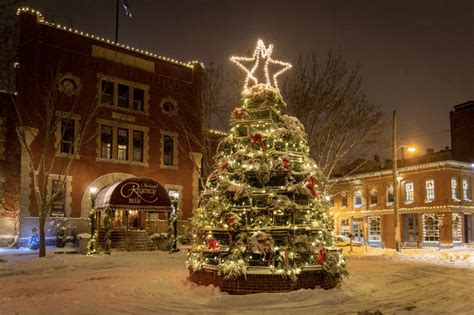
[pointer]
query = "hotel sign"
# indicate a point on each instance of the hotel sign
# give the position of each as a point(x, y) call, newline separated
point(140, 191)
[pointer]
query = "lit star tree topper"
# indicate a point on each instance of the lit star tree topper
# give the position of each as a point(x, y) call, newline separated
point(262, 57)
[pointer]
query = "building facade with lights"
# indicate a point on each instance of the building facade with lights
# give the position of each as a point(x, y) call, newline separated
point(435, 203)
point(147, 106)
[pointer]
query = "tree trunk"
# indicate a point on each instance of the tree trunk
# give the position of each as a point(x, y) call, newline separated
point(42, 244)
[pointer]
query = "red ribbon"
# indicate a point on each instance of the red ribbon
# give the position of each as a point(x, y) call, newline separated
point(321, 256)
point(223, 166)
point(238, 112)
point(258, 138)
point(311, 185)
point(286, 164)
point(212, 243)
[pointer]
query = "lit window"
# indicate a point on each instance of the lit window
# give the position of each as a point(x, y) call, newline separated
point(457, 228)
point(123, 95)
point(122, 144)
point(138, 146)
point(59, 203)
point(106, 136)
point(431, 223)
point(429, 190)
point(465, 189)
point(373, 197)
point(344, 199)
point(344, 227)
point(409, 192)
point(168, 150)
point(67, 135)
point(358, 199)
point(375, 228)
point(454, 188)
point(390, 194)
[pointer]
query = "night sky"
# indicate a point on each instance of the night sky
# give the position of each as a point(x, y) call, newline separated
point(416, 57)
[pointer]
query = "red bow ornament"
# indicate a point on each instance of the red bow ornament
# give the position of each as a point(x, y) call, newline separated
point(286, 163)
point(238, 112)
point(311, 185)
point(212, 243)
point(258, 139)
point(321, 256)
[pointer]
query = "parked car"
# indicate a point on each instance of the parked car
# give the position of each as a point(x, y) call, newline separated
point(343, 241)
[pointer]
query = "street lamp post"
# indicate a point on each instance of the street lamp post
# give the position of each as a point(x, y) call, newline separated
point(395, 183)
point(395, 180)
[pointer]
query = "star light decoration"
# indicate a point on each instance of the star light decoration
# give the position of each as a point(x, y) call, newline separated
point(261, 55)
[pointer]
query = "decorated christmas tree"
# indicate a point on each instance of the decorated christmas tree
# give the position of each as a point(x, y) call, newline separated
point(263, 217)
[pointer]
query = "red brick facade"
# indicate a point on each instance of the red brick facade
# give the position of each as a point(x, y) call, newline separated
point(148, 96)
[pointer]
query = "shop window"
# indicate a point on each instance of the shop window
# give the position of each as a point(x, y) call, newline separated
point(454, 188)
point(344, 227)
point(431, 223)
point(106, 136)
point(390, 194)
point(67, 135)
point(466, 194)
point(58, 208)
point(429, 190)
point(373, 197)
point(375, 228)
point(409, 192)
point(457, 228)
point(358, 200)
point(344, 199)
point(122, 144)
point(138, 146)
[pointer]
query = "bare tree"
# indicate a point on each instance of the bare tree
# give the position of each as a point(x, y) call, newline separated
point(326, 95)
point(52, 137)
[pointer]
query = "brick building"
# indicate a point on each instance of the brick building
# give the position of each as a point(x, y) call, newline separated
point(142, 107)
point(462, 131)
point(435, 203)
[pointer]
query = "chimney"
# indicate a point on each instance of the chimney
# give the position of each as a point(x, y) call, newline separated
point(377, 158)
point(429, 151)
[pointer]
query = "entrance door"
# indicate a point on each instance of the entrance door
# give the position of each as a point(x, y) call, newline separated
point(358, 231)
point(410, 228)
point(468, 231)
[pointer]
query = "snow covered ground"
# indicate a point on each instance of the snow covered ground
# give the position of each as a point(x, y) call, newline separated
point(418, 281)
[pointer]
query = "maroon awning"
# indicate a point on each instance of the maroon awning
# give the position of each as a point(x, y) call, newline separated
point(136, 193)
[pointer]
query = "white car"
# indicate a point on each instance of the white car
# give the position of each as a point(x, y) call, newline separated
point(343, 241)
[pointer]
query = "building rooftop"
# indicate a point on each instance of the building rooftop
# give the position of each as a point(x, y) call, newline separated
point(40, 17)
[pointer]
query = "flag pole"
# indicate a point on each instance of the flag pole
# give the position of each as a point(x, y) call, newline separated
point(116, 20)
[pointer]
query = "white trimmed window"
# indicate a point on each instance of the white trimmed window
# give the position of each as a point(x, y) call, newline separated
point(123, 94)
point(344, 227)
point(358, 200)
point(169, 149)
point(457, 228)
point(125, 143)
point(67, 133)
point(374, 200)
point(431, 224)
point(61, 186)
point(343, 199)
point(409, 192)
point(389, 194)
point(454, 188)
point(375, 228)
point(466, 195)
point(429, 190)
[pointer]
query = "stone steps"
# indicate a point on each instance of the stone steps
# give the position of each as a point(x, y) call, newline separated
point(127, 240)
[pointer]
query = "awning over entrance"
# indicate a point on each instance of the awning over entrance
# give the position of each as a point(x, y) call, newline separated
point(136, 193)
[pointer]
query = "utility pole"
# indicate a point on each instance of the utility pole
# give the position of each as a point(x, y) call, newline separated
point(395, 183)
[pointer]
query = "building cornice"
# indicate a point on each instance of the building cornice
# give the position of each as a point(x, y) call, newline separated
point(40, 17)
point(406, 169)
